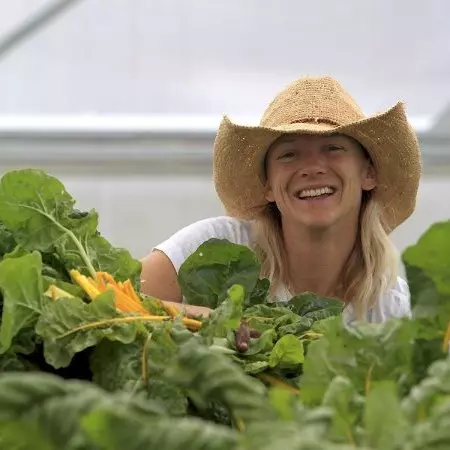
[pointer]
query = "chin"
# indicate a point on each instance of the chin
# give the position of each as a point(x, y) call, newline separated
point(316, 222)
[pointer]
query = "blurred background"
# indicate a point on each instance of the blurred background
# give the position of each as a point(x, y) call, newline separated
point(121, 99)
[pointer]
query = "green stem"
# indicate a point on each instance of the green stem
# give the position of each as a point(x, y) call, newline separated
point(82, 252)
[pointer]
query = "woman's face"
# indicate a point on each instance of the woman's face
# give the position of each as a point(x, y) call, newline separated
point(317, 181)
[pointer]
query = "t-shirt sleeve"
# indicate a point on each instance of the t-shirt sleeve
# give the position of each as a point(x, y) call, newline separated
point(400, 299)
point(186, 241)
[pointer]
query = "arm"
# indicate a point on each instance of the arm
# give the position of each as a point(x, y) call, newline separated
point(159, 279)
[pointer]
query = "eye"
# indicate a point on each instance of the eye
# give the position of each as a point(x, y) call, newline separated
point(334, 147)
point(286, 154)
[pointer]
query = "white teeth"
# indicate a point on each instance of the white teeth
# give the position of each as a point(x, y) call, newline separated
point(315, 192)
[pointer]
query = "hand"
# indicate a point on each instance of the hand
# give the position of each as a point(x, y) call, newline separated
point(189, 310)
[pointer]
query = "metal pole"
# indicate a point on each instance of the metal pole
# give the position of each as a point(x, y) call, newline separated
point(33, 24)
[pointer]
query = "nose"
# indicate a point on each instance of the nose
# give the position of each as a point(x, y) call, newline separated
point(312, 163)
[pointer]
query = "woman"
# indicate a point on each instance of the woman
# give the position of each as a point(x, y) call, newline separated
point(314, 191)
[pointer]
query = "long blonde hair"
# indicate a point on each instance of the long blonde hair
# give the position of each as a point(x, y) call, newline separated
point(368, 273)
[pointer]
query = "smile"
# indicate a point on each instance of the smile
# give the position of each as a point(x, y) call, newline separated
point(313, 193)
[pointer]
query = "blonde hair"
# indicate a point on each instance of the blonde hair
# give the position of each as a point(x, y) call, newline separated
point(368, 273)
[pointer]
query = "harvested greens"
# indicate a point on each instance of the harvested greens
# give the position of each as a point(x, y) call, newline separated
point(87, 362)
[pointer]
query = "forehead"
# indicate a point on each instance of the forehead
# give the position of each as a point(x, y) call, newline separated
point(311, 138)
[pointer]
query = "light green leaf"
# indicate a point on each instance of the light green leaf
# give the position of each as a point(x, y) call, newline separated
point(70, 325)
point(287, 352)
point(385, 423)
point(113, 430)
point(226, 317)
point(21, 287)
point(431, 254)
point(347, 405)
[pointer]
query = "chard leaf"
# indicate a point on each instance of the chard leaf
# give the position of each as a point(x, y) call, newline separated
point(7, 242)
point(385, 423)
point(207, 375)
point(34, 206)
point(262, 344)
point(315, 307)
point(361, 352)
point(114, 430)
point(16, 435)
point(226, 317)
point(40, 214)
point(287, 353)
point(347, 405)
point(57, 406)
point(213, 268)
point(21, 287)
point(259, 293)
point(117, 366)
point(285, 434)
point(423, 397)
point(70, 325)
point(103, 256)
point(431, 254)
point(10, 362)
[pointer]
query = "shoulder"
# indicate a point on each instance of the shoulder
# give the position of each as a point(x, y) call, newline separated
point(223, 227)
point(396, 303)
point(186, 240)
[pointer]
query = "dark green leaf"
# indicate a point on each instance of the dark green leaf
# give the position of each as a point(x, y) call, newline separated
point(315, 307)
point(213, 268)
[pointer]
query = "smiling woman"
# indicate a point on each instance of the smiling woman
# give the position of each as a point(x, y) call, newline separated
point(315, 191)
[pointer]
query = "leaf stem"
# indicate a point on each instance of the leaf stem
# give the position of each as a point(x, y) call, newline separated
point(369, 378)
point(190, 323)
point(72, 236)
point(275, 381)
point(144, 363)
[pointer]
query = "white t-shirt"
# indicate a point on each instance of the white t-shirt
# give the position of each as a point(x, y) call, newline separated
point(393, 304)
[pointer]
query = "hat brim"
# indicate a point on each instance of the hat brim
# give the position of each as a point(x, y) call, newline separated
point(388, 138)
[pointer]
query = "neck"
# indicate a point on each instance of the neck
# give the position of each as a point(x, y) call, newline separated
point(316, 258)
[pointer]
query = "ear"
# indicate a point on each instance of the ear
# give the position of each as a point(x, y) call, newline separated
point(269, 194)
point(369, 178)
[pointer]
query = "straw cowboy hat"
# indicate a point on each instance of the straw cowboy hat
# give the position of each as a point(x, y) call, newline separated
point(318, 105)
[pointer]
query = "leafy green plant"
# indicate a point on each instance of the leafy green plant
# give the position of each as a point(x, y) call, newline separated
point(81, 373)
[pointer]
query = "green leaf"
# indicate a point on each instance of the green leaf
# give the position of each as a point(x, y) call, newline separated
point(32, 204)
point(21, 287)
point(40, 214)
point(70, 325)
point(103, 256)
point(117, 366)
point(314, 306)
point(287, 352)
point(113, 430)
point(227, 316)
point(420, 402)
point(431, 254)
point(7, 242)
point(259, 293)
point(342, 397)
point(10, 362)
point(363, 353)
point(208, 375)
point(57, 406)
point(213, 268)
point(16, 435)
point(385, 423)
